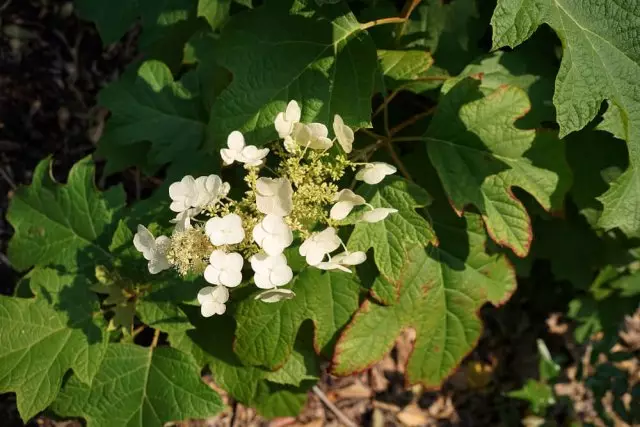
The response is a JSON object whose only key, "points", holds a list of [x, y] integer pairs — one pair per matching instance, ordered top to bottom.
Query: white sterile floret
{"points": [[286, 119], [344, 134], [312, 135], [250, 155], [373, 173], [210, 189], [196, 193], [183, 194], [274, 196], [345, 200], [377, 214], [225, 231], [272, 234], [319, 244], [153, 249], [340, 261], [224, 268], [271, 271], [275, 295], [212, 300]]}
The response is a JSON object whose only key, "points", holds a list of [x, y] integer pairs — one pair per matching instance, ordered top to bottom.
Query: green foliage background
{"points": [[515, 141]]}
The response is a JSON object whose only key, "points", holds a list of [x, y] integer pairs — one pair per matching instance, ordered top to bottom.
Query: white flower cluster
{"points": [[300, 197]]}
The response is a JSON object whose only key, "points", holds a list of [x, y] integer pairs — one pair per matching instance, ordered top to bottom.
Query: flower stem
{"points": [[383, 21], [396, 159], [156, 335]]}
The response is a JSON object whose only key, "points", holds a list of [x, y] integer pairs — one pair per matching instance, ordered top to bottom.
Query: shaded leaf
{"points": [[112, 19], [480, 156], [139, 386]]}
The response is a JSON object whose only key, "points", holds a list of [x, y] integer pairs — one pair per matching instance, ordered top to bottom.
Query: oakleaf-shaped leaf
{"points": [[112, 19], [322, 59], [601, 61], [409, 70], [150, 106], [480, 156], [54, 223], [404, 229], [442, 290], [266, 332], [42, 338], [250, 385], [138, 386]]}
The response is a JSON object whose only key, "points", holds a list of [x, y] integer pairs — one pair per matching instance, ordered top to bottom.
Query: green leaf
{"points": [[214, 11], [112, 19], [321, 59], [600, 62], [401, 69], [150, 106], [480, 156], [59, 224], [406, 228], [441, 291], [266, 332], [42, 338], [211, 344], [139, 386], [539, 395]]}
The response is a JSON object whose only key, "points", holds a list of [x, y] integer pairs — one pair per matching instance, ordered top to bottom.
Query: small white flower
{"points": [[285, 120], [344, 134], [312, 135], [250, 155], [373, 173], [209, 190], [196, 193], [183, 194], [274, 196], [346, 201], [377, 214], [225, 231], [272, 234], [319, 244], [153, 249], [340, 261], [224, 269], [271, 271], [275, 295], [212, 300]]}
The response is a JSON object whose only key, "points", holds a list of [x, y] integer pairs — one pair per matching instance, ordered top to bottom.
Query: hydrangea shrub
{"points": [[331, 173]]}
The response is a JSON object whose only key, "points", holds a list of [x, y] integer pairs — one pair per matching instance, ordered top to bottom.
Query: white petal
{"points": [[293, 112], [283, 127], [318, 130], [343, 133], [235, 141], [289, 144], [228, 156], [347, 195], [341, 210], [377, 214], [213, 228], [259, 234], [144, 242], [162, 244], [274, 245], [315, 255], [354, 258], [218, 259], [234, 262], [158, 264], [212, 275], [281, 275], [230, 278], [262, 280], [206, 294], [220, 294], [275, 295], [211, 308]]}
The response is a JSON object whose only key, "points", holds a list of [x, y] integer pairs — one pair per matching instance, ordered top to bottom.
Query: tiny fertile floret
{"points": [[294, 202]]}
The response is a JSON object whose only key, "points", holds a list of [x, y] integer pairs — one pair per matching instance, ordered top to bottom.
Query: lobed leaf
{"points": [[321, 58], [601, 62], [480, 156], [406, 228], [442, 290], [139, 386]]}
